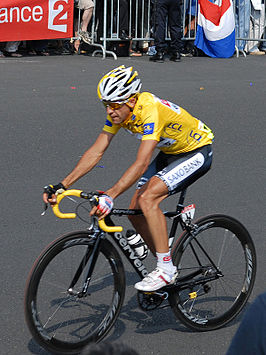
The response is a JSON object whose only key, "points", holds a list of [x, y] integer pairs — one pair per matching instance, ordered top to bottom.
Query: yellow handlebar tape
{"points": [[77, 193], [59, 198], [109, 229]]}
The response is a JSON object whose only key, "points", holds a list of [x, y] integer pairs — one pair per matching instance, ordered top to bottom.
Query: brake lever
{"points": [[49, 195], [94, 200], [45, 209]]}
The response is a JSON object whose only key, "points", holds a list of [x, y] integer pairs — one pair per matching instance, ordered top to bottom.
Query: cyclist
{"points": [[185, 155]]}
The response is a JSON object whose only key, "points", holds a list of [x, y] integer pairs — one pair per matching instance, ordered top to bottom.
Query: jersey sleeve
{"points": [[151, 125], [110, 127]]}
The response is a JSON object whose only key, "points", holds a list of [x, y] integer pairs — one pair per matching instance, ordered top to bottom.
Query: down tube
{"points": [[129, 253]]}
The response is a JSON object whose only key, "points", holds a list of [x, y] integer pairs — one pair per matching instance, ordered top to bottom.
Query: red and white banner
{"points": [[35, 19]]}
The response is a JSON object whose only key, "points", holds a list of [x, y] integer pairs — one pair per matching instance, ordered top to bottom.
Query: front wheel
{"points": [[219, 260], [62, 321]]}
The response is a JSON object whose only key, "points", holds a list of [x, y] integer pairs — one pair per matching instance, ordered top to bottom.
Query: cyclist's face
{"points": [[120, 114]]}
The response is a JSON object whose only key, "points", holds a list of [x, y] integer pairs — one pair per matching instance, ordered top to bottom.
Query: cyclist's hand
{"points": [[50, 191], [104, 206]]}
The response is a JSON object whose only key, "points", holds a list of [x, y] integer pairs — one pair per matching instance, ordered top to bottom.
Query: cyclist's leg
{"points": [[186, 169], [181, 171], [176, 172], [166, 175], [151, 192], [149, 199], [139, 222], [152, 226]]}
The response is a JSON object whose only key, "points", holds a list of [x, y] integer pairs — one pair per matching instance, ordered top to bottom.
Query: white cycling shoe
{"points": [[156, 280]]}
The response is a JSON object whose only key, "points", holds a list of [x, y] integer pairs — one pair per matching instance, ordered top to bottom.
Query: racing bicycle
{"points": [[76, 287]]}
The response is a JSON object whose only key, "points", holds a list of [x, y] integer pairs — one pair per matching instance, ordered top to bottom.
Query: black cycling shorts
{"points": [[178, 171]]}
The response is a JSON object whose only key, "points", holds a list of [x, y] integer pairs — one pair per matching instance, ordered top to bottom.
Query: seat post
{"points": [[181, 199]]}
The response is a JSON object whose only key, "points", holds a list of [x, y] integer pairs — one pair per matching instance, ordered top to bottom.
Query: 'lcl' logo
{"points": [[57, 15]]}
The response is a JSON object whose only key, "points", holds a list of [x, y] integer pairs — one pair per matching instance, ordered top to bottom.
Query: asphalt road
{"points": [[50, 114]]}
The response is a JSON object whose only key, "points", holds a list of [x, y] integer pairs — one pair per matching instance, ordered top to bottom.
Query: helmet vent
{"points": [[119, 84]]}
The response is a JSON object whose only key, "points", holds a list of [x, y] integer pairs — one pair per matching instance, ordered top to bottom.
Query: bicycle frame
{"points": [[115, 232], [122, 242], [137, 264]]}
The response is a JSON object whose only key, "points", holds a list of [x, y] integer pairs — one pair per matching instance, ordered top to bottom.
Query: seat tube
{"points": [[181, 198]]}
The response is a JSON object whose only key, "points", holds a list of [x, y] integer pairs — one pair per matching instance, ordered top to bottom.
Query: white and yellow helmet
{"points": [[119, 85]]}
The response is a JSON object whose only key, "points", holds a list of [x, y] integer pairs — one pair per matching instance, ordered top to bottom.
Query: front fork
{"points": [[89, 258]]}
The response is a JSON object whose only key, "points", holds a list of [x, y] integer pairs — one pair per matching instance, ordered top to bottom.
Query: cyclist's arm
{"points": [[89, 159], [87, 162], [136, 170]]}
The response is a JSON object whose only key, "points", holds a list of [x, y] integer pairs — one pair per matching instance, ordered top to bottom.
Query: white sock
{"points": [[164, 261]]}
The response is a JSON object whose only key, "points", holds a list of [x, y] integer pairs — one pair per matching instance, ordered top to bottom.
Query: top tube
{"points": [[115, 211]]}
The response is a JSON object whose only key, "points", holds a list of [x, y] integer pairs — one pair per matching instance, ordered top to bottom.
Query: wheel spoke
{"points": [[219, 248], [61, 319]]}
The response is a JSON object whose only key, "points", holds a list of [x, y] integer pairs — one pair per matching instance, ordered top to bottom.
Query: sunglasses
{"points": [[112, 105]]}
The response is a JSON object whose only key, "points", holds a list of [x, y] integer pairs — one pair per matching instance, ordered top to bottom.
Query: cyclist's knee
{"points": [[147, 201]]}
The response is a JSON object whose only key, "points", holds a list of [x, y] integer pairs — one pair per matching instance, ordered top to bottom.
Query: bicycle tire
{"points": [[214, 304], [63, 323]]}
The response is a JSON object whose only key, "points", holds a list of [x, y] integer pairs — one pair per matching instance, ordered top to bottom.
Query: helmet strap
{"points": [[127, 103]]}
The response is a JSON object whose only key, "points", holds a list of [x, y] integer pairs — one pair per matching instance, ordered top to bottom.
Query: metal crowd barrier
{"points": [[139, 21], [250, 23], [92, 30]]}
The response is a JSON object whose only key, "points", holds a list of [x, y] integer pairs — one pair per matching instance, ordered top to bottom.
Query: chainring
{"points": [[148, 301]]}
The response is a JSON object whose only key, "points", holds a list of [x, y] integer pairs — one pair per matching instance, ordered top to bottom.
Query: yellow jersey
{"points": [[173, 127]]}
